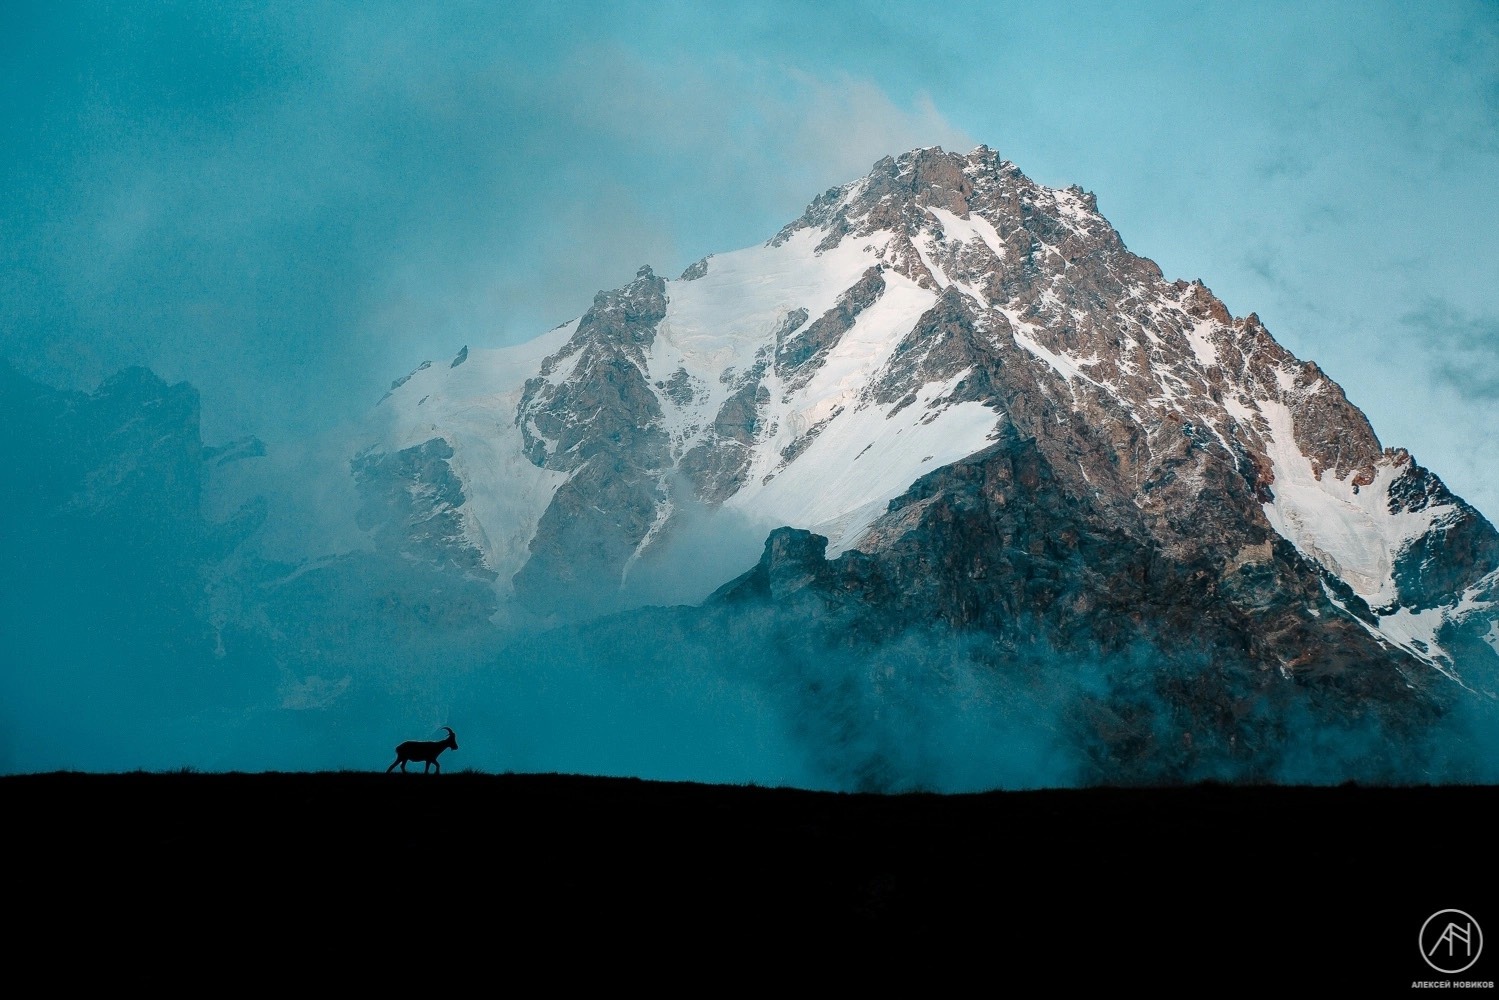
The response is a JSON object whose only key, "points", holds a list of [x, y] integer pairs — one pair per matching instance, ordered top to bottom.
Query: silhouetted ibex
{"points": [[425, 751]]}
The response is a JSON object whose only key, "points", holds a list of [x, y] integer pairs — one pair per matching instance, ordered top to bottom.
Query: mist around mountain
{"points": [[940, 488]]}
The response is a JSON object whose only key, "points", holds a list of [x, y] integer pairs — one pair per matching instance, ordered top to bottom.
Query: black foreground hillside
{"points": [[1238, 873]]}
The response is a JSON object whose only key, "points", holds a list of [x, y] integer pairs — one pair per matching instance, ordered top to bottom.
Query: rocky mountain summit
{"points": [[951, 367]]}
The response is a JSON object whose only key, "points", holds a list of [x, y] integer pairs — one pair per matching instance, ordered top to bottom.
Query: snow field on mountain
{"points": [[722, 319], [472, 407], [864, 459], [1349, 530]]}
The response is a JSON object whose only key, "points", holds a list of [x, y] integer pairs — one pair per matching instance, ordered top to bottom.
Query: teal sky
{"points": [[292, 204]]}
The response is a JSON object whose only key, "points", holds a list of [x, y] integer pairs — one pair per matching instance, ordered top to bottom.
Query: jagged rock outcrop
{"points": [[591, 412], [122, 466], [413, 504], [997, 547], [107, 583]]}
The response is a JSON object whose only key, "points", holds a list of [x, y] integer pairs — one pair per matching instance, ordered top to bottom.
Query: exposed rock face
{"points": [[950, 341], [799, 355], [592, 396], [593, 413], [718, 465], [413, 504], [996, 546]]}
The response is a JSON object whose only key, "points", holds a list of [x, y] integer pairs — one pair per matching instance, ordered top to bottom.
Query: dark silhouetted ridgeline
{"points": [[1233, 883]]}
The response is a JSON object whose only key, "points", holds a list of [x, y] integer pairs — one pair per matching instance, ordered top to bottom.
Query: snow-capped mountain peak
{"points": [[904, 322]]}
